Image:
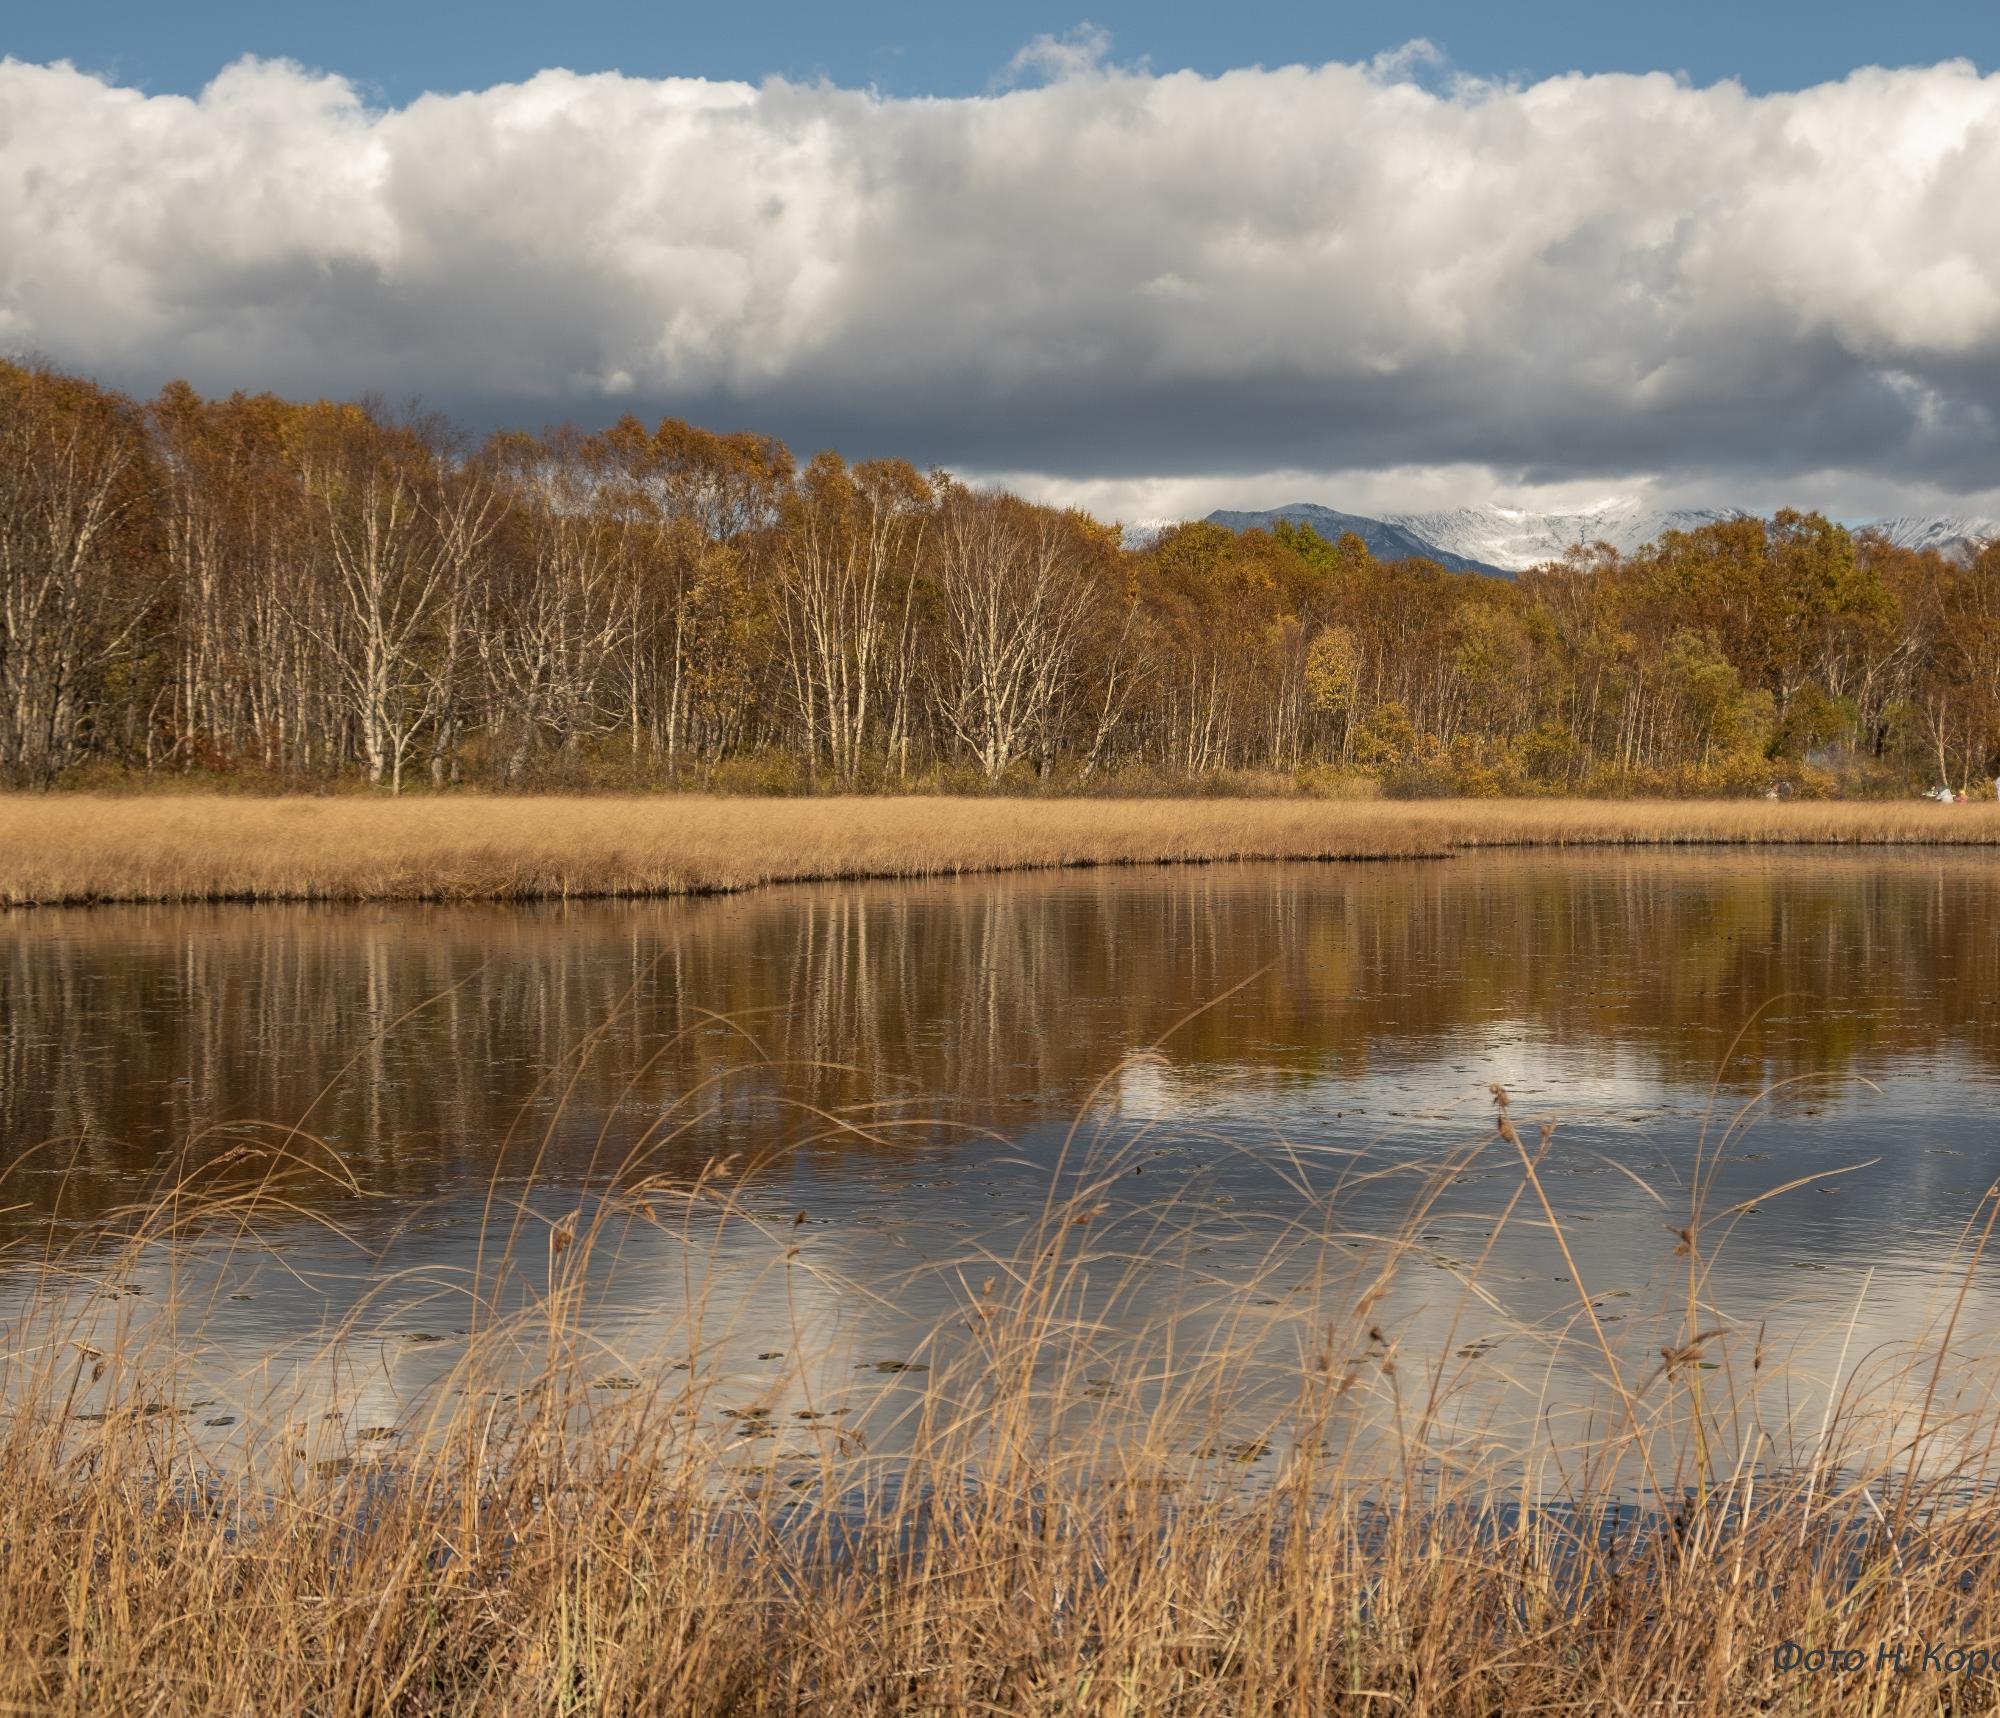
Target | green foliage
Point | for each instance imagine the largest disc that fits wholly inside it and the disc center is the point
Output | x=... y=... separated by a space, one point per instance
x=1314 y=551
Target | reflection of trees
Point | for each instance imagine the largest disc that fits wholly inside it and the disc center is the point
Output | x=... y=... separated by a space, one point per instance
x=986 y=1002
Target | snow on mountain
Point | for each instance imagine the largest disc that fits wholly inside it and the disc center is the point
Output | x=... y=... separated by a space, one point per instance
x=1960 y=539
x=1387 y=539
x=1488 y=539
x=1511 y=539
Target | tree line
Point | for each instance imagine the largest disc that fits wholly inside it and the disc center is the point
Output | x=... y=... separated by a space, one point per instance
x=310 y=593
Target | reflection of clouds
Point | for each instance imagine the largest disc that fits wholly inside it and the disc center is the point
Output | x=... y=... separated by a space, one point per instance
x=1605 y=1080
x=1547 y=1072
x=1580 y=981
x=1147 y=1088
x=1784 y=1278
x=1238 y=1284
x=747 y=1308
x=1366 y=1041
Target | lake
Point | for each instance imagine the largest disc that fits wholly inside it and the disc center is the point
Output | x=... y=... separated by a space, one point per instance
x=810 y=1122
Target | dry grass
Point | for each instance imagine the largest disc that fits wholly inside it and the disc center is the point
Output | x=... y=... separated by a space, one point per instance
x=75 y=849
x=1072 y=1520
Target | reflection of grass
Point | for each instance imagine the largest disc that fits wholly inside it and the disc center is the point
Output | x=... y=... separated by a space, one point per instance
x=1115 y=1476
x=86 y=848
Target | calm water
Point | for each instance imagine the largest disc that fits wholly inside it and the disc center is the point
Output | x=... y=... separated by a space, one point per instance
x=903 y=1066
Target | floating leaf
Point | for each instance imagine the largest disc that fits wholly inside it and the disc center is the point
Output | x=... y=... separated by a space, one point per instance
x=1244 y=1450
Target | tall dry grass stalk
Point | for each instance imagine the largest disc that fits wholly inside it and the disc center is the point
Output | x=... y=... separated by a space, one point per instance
x=81 y=848
x=1101 y=1482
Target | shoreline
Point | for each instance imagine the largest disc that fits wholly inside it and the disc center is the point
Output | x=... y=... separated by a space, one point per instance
x=81 y=850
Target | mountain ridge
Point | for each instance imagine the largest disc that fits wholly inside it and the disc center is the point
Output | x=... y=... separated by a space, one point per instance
x=1387 y=540
x=1950 y=534
x=1508 y=540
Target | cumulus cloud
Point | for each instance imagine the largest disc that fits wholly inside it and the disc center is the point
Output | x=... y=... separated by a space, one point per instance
x=1048 y=58
x=1855 y=496
x=1109 y=277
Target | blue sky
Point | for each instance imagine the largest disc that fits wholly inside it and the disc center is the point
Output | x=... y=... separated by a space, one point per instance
x=905 y=47
x=1700 y=253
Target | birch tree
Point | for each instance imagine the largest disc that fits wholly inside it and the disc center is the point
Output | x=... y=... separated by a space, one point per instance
x=1019 y=590
x=76 y=498
x=844 y=584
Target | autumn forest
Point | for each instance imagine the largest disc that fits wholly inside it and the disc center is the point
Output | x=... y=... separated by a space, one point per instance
x=304 y=595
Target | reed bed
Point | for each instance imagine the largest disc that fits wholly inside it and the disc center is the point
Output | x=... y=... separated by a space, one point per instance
x=1043 y=1507
x=76 y=849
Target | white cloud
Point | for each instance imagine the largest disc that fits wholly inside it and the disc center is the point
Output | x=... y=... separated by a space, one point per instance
x=1853 y=496
x=1589 y=283
x=1394 y=489
x=1048 y=58
x=1399 y=65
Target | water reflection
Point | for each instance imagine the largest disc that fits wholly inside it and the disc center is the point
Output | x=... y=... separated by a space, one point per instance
x=907 y=1060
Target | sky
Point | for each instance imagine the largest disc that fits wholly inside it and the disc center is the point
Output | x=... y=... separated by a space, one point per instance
x=397 y=51
x=1152 y=259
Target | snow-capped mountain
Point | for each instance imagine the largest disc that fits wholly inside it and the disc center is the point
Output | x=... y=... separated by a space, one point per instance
x=1510 y=539
x=1959 y=539
x=1387 y=539
x=1488 y=539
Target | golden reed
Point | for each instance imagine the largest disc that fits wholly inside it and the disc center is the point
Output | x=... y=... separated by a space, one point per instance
x=1068 y=1521
x=86 y=848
